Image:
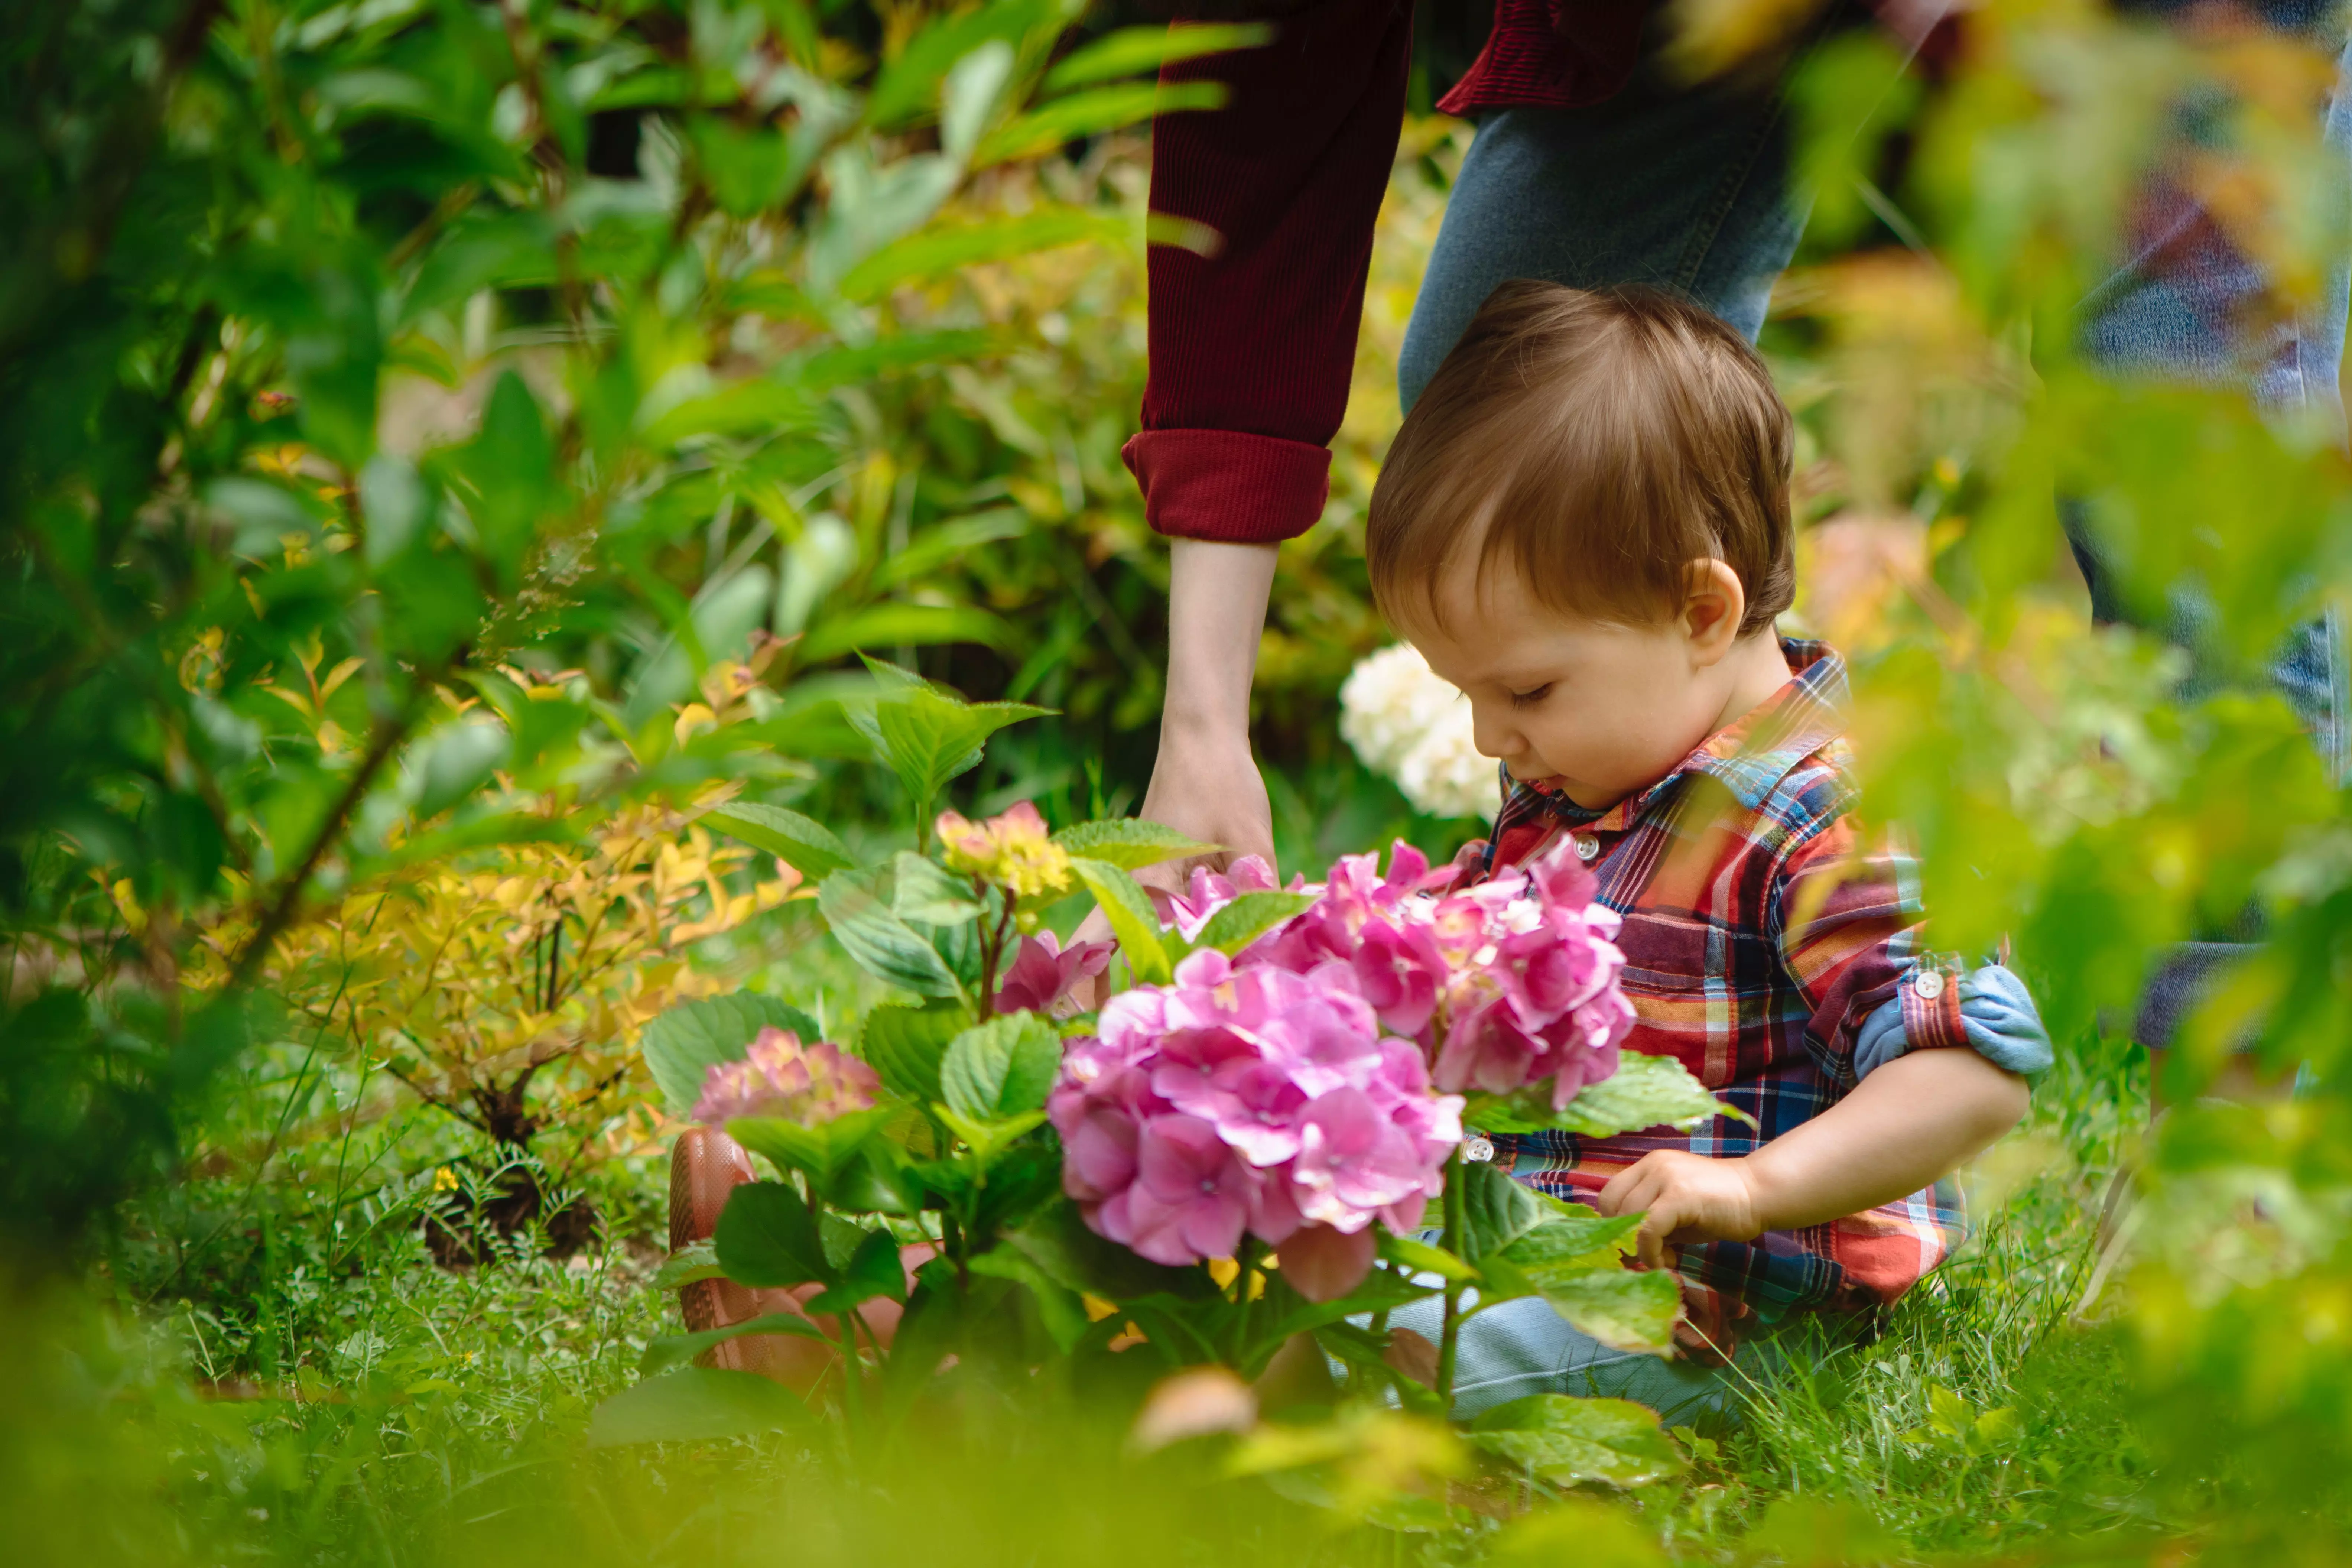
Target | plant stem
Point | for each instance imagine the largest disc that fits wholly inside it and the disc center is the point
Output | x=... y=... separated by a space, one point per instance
x=1452 y=1241
x=1247 y=1257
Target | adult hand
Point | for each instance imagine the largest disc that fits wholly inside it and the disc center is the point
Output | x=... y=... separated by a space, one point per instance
x=1205 y=782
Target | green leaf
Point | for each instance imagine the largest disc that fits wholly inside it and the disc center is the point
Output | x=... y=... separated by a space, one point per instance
x=717 y=625
x=696 y=1261
x=927 y=735
x=1422 y=1258
x=1644 y=1091
x=946 y=544
x=1058 y=1308
x=1133 y=51
x=686 y=1041
x=677 y=1349
x=768 y=1238
x=884 y=945
x=891 y=626
x=1130 y=843
x=1626 y=1308
x=879 y=1181
x=1580 y=1241
x=872 y=1271
x=1248 y=918
x=696 y=1405
x=933 y=251
x=1496 y=1210
x=1381 y=1290
x=1564 y=1440
x=988 y=1137
x=1001 y=1068
x=922 y=893
x=904 y=1045
x=1056 y=1240
x=803 y=843
x=821 y=1150
x=1132 y=919
x=1090 y=113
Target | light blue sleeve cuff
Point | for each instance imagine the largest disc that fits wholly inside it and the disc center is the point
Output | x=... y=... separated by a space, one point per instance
x=1996 y=1011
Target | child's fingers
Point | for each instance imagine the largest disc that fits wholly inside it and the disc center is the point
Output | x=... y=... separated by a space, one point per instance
x=1664 y=1217
x=1620 y=1196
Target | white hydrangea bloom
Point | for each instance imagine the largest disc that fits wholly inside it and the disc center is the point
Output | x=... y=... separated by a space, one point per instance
x=1412 y=727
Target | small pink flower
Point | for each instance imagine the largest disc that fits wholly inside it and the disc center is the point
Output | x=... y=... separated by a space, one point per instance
x=1352 y=1161
x=1044 y=971
x=1192 y=1195
x=1211 y=891
x=780 y=1077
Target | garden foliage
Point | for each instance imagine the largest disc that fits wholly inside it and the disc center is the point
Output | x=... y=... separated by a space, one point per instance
x=411 y=402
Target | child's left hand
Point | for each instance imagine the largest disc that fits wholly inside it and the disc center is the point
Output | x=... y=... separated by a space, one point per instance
x=1688 y=1198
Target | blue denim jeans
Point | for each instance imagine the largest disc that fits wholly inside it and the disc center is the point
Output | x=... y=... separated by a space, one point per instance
x=1684 y=188
x=1517 y=1348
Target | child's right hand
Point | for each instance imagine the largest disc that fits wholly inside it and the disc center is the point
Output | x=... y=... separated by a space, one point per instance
x=1683 y=1198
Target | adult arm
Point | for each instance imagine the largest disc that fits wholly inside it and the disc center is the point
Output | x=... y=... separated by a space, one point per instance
x=1252 y=346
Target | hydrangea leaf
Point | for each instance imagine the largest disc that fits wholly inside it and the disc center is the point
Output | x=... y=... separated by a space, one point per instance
x=872 y=1271
x=677 y=1349
x=1130 y=843
x=821 y=1150
x=1001 y=1068
x=1566 y=1441
x=803 y=843
x=1132 y=919
x=1248 y=918
x=1495 y=1210
x=1624 y=1309
x=922 y=893
x=926 y=733
x=1582 y=1239
x=904 y=1045
x=987 y=1137
x=696 y=1405
x=686 y=1041
x=884 y=945
x=1422 y=1258
x=1057 y=1238
x=1058 y=1307
x=1644 y=1091
x=768 y=1238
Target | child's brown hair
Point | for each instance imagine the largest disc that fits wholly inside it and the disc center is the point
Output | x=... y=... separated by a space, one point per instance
x=1602 y=441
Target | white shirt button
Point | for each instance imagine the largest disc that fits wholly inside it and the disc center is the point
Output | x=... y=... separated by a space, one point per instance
x=1587 y=847
x=1478 y=1149
x=1928 y=983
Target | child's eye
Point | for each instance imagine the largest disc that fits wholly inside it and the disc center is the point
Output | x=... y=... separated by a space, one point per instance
x=1529 y=699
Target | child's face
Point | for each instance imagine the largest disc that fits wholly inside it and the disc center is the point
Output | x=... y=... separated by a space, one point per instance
x=1597 y=709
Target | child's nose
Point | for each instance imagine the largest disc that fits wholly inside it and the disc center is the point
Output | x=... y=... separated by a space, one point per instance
x=1492 y=734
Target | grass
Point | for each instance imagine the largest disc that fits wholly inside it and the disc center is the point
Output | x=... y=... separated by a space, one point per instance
x=314 y=1395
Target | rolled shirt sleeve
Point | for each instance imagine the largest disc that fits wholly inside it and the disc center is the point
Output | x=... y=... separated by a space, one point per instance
x=1253 y=344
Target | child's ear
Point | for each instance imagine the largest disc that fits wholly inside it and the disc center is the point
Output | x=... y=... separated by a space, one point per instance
x=1714 y=603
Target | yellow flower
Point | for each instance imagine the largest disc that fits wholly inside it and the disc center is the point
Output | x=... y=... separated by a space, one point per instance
x=1013 y=851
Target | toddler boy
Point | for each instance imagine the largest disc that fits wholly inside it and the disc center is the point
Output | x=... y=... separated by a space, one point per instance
x=1584 y=525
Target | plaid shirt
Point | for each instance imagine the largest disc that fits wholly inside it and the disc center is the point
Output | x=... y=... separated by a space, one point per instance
x=1760 y=930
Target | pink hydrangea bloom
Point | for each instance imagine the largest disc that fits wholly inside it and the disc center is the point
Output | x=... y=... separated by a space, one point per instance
x=1312 y=1085
x=1246 y=1099
x=780 y=1077
x=1043 y=971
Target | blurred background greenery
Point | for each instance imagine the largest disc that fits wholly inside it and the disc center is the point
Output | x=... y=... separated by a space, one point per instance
x=425 y=421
